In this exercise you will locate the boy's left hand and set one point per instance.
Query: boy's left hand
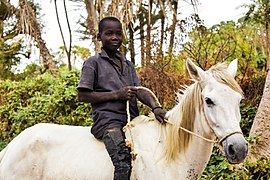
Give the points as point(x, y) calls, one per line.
point(160, 114)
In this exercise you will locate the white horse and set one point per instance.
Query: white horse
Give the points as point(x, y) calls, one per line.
point(208, 109)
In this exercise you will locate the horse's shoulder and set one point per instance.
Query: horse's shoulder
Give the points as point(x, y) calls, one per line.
point(142, 126)
point(142, 119)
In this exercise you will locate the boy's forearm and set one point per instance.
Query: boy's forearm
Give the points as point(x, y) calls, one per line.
point(147, 98)
point(96, 97)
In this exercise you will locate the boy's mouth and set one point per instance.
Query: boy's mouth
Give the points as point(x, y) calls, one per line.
point(115, 44)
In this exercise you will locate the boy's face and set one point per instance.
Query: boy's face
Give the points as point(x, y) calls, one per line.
point(111, 36)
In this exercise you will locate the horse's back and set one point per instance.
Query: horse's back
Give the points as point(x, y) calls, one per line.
point(49, 151)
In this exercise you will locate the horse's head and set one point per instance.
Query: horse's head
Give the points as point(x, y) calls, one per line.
point(221, 96)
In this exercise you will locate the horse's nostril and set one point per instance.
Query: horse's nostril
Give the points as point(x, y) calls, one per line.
point(231, 150)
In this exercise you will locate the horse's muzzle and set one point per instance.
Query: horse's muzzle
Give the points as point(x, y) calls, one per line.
point(236, 148)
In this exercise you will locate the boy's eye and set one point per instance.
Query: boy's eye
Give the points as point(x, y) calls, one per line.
point(110, 33)
point(119, 33)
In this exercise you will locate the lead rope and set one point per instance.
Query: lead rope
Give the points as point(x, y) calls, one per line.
point(199, 136)
point(129, 125)
point(129, 142)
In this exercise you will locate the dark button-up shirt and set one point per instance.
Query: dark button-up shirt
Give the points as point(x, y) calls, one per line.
point(102, 74)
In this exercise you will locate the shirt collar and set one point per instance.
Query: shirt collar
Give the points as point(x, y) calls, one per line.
point(119, 55)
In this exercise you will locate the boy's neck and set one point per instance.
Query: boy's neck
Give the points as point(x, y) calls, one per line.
point(111, 54)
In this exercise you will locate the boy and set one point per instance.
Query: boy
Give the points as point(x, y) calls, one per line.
point(107, 81)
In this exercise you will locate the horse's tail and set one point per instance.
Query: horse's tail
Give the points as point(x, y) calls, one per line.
point(2, 153)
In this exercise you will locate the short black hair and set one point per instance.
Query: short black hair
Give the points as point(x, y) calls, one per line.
point(106, 19)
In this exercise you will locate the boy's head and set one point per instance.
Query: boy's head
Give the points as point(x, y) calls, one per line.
point(103, 22)
point(110, 33)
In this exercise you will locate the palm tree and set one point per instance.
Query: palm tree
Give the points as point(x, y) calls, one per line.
point(30, 25)
point(146, 14)
point(66, 49)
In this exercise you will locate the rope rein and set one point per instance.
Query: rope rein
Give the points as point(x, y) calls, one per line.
point(184, 129)
point(129, 125)
point(199, 136)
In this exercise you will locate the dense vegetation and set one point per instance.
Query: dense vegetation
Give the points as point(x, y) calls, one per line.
point(42, 98)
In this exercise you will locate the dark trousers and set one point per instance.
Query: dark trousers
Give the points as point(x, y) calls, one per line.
point(114, 140)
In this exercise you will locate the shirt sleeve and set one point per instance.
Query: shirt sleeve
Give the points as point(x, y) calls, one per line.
point(87, 78)
point(135, 77)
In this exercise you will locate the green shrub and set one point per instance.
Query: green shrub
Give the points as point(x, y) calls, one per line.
point(2, 144)
point(219, 169)
point(41, 99)
point(248, 113)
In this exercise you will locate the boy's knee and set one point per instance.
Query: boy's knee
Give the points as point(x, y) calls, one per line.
point(114, 140)
point(114, 136)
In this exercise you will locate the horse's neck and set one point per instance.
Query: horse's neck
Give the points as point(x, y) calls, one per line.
point(198, 149)
point(198, 152)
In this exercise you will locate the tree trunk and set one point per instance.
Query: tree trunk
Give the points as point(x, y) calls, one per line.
point(92, 23)
point(175, 7)
point(148, 34)
point(31, 26)
point(261, 126)
point(162, 31)
point(131, 43)
point(66, 49)
point(267, 46)
point(141, 19)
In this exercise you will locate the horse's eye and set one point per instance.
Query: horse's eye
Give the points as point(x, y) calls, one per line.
point(209, 102)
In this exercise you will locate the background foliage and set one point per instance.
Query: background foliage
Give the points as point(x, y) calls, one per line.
point(43, 98)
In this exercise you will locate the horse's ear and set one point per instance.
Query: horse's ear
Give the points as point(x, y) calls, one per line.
point(194, 71)
point(232, 68)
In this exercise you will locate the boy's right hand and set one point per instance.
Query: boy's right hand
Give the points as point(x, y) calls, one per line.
point(127, 93)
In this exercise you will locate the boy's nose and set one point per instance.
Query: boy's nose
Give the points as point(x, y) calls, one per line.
point(114, 37)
